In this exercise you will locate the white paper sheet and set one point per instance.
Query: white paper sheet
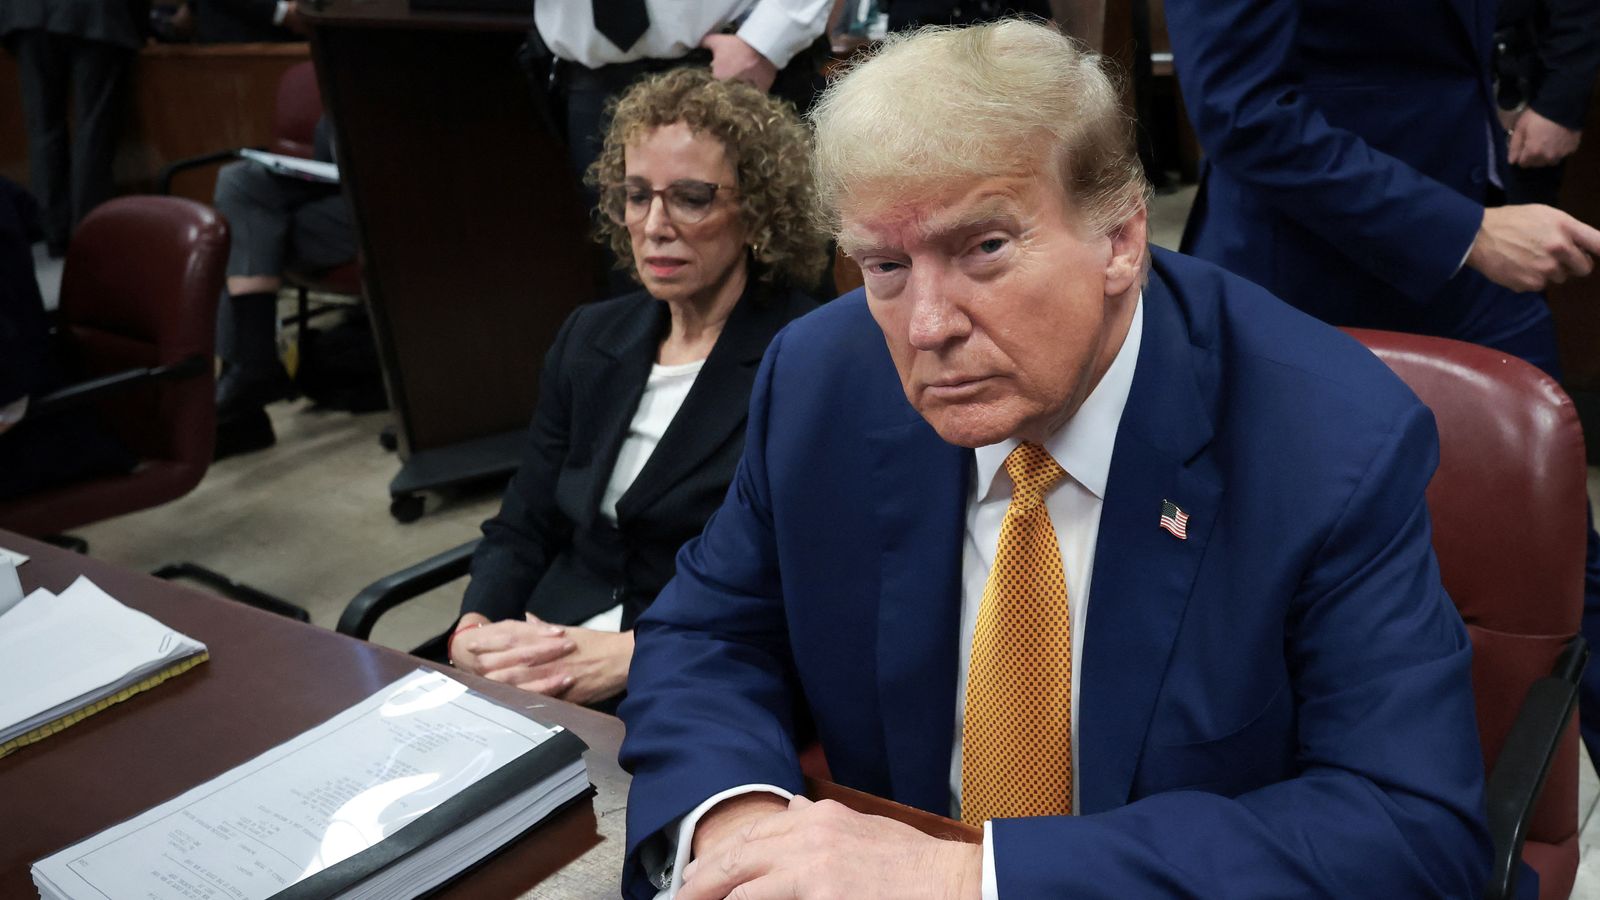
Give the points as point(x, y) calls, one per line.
point(10, 586)
point(295, 167)
point(79, 644)
point(306, 804)
point(15, 557)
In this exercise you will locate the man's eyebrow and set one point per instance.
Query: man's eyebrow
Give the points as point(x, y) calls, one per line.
point(991, 215)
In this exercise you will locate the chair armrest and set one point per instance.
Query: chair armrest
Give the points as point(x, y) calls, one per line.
point(390, 591)
point(95, 388)
point(1524, 762)
point(164, 177)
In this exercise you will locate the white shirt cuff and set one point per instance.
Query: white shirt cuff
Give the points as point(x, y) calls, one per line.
point(991, 885)
point(684, 850)
point(281, 12)
point(778, 29)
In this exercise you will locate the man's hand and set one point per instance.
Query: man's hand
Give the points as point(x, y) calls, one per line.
point(1537, 141)
point(731, 57)
point(1529, 247)
point(822, 850)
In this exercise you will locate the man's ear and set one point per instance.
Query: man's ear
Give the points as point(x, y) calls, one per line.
point(1125, 268)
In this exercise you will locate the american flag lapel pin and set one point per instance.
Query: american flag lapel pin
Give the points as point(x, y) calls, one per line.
point(1175, 520)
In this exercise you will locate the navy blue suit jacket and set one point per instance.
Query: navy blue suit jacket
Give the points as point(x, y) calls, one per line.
point(1278, 706)
point(1349, 146)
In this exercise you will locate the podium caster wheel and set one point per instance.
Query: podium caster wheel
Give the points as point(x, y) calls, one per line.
point(388, 440)
point(406, 508)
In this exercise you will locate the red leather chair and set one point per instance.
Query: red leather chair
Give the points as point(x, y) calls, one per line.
point(138, 306)
point(1508, 527)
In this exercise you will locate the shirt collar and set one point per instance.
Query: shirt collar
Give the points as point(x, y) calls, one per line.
point(1083, 445)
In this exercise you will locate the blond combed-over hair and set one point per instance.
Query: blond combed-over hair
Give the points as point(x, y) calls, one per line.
point(941, 105)
point(767, 144)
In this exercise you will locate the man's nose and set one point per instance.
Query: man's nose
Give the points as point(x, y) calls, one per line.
point(937, 314)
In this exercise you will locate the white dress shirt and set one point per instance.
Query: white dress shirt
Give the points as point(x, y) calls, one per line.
point(777, 29)
point(1083, 448)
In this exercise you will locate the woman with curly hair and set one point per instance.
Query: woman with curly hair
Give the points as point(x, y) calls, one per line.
point(706, 190)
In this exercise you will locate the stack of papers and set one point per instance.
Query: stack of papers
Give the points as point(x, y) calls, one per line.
point(389, 799)
point(64, 657)
point(295, 167)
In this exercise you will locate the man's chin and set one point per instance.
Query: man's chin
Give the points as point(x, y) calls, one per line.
point(969, 427)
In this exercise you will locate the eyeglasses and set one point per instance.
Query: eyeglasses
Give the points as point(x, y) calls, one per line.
point(687, 202)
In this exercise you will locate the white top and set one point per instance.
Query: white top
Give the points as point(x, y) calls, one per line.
point(777, 29)
point(663, 394)
point(1083, 448)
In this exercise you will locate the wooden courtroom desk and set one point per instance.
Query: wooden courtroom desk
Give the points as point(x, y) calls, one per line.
point(270, 678)
point(474, 240)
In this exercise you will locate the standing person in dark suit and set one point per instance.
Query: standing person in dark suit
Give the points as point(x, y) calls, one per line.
point(72, 53)
point(1351, 154)
point(246, 21)
point(1096, 546)
point(706, 189)
point(1546, 55)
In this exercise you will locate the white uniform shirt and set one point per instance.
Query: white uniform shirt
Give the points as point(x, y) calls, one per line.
point(777, 29)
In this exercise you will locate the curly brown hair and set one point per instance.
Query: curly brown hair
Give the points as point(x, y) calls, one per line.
point(768, 145)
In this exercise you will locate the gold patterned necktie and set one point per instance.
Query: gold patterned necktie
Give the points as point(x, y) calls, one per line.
point(1016, 742)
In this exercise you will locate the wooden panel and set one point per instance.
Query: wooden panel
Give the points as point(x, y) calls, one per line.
point(184, 100)
point(194, 99)
point(471, 231)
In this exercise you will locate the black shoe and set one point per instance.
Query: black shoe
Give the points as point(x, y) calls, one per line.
point(242, 388)
point(243, 431)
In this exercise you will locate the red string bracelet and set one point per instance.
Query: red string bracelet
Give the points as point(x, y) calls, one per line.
point(450, 646)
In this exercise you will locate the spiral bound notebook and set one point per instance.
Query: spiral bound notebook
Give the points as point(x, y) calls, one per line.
point(76, 653)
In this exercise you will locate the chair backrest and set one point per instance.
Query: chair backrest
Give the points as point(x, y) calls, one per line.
point(1508, 508)
point(140, 288)
point(296, 112)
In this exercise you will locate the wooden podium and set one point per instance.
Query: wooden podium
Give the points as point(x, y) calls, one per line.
point(473, 240)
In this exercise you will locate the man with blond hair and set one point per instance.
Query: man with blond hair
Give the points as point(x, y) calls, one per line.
point(1028, 411)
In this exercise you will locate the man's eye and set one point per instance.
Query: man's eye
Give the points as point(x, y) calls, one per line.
point(992, 245)
point(883, 268)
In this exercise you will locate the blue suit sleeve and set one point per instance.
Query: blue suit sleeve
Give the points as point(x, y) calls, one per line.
point(716, 631)
point(1388, 799)
point(1236, 62)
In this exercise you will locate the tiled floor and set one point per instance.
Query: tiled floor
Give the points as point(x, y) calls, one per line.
point(308, 520)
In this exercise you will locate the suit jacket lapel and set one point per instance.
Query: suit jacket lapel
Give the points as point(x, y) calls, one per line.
point(919, 505)
point(716, 405)
point(1143, 575)
point(611, 382)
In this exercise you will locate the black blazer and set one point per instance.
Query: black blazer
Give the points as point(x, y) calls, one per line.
point(1547, 54)
point(549, 551)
